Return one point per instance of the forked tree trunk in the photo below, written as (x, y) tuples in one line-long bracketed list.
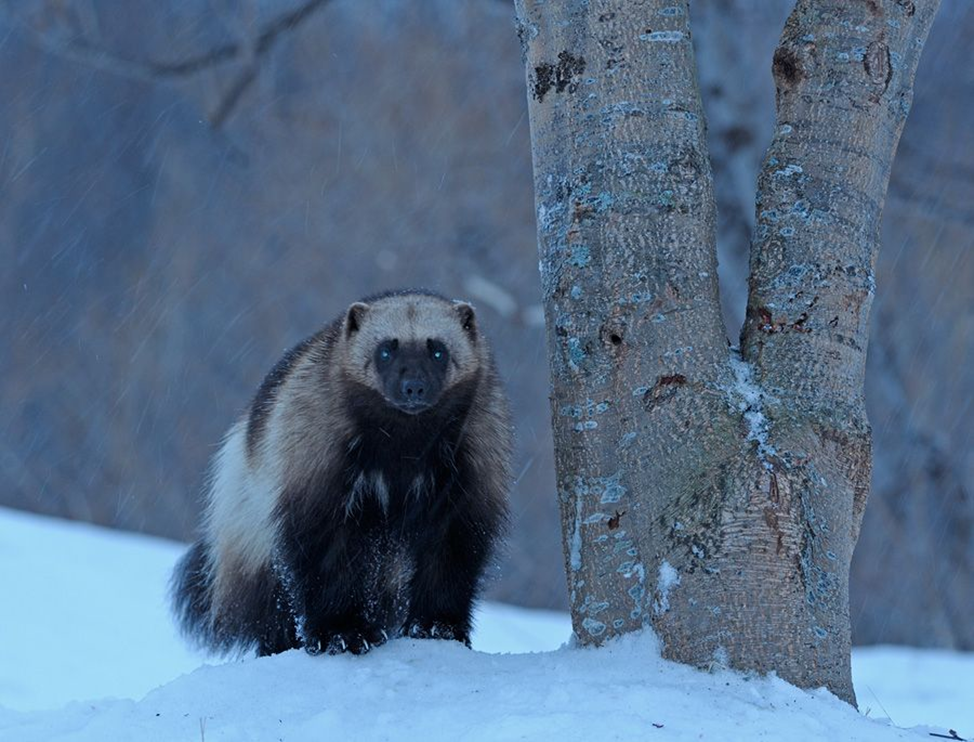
[(713, 494)]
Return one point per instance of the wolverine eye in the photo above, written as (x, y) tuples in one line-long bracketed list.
[(385, 352), (437, 351)]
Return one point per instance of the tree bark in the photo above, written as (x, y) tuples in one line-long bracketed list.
[(713, 494)]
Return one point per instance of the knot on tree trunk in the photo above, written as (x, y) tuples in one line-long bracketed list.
[(560, 75), (788, 68)]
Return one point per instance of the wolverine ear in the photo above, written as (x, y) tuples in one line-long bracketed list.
[(467, 319), (353, 320)]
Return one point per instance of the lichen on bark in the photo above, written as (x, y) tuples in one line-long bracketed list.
[(714, 494)]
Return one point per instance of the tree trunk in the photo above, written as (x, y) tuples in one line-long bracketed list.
[(713, 494)]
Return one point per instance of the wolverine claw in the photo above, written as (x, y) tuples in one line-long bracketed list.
[(375, 637), (436, 630), (355, 641), (349, 641)]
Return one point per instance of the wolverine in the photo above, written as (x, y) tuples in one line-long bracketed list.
[(363, 494)]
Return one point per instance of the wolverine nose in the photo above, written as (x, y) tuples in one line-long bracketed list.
[(413, 390)]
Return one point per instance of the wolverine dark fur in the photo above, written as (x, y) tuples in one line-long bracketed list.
[(362, 496)]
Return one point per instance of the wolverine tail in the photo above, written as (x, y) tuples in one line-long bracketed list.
[(255, 615), (191, 591)]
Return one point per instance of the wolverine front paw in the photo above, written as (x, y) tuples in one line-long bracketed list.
[(437, 630), (338, 642)]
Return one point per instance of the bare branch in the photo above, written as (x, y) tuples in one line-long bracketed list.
[(74, 49), (233, 95), (250, 51)]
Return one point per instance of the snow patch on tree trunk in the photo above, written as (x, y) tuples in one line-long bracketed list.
[(747, 396), (668, 579)]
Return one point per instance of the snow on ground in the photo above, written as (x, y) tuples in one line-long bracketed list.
[(84, 617), (84, 613)]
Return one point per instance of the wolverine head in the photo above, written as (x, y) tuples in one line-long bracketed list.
[(411, 347)]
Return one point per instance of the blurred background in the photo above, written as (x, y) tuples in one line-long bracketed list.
[(189, 187)]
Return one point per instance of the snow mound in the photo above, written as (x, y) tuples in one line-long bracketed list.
[(431, 690), (85, 616)]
